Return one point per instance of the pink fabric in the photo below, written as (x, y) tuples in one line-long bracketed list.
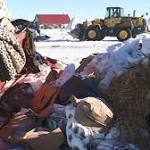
[(50, 62), (2, 84), (21, 37), (35, 80)]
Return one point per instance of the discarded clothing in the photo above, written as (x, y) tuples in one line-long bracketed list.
[(65, 75), (78, 87), (15, 98), (32, 65), (53, 75), (50, 62), (110, 140), (35, 80), (12, 57), (105, 145), (17, 126), (78, 136), (58, 118), (44, 99)]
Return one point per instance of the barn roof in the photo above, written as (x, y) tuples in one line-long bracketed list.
[(53, 18)]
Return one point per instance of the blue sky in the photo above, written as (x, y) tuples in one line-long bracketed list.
[(79, 9)]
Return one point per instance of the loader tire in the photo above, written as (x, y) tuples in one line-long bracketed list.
[(80, 31), (93, 34), (124, 34)]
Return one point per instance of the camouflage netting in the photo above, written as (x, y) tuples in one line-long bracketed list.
[(130, 97)]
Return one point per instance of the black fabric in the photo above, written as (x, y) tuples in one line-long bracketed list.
[(77, 87), (32, 65)]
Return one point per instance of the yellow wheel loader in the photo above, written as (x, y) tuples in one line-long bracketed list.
[(114, 24)]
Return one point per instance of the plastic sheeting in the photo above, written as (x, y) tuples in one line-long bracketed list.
[(118, 59)]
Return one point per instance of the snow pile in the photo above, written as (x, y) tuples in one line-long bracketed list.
[(58, 34), (72, 52), (118, 59), (145, 40)]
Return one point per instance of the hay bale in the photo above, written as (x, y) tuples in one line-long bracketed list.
[(130, 97)]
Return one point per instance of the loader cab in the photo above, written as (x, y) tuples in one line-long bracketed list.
[(114, 12)]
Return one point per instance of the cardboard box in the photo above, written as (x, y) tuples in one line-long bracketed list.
[(44, 140)]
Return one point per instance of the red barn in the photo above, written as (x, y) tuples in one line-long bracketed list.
[(51, 20)]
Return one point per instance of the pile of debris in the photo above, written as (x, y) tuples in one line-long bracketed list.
[(46, 104)]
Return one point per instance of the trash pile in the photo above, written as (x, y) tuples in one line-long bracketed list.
[(46, 104), (103, 104)]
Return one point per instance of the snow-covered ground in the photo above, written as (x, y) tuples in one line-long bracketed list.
[(72, 52), (57, 35), (63, 47)]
